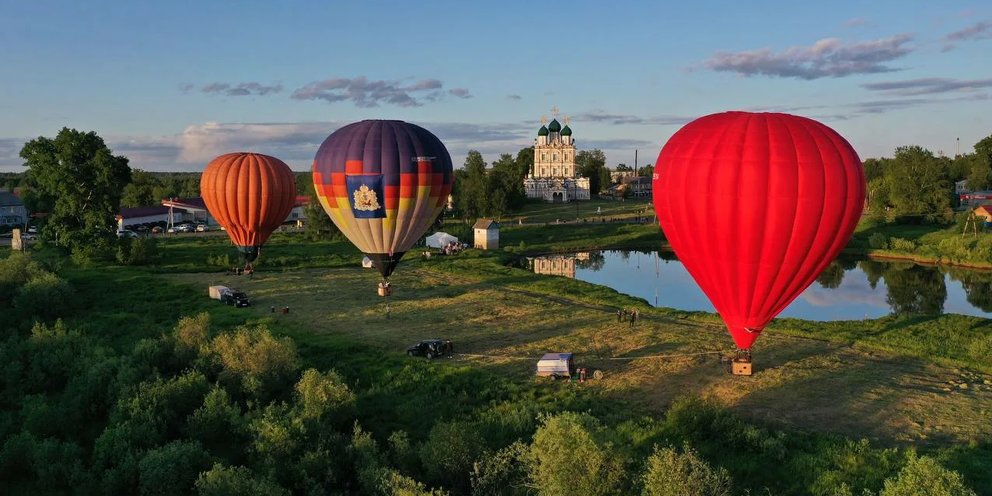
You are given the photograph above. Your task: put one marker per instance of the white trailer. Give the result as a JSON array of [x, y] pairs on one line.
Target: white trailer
[[555, 365], [217, 291]]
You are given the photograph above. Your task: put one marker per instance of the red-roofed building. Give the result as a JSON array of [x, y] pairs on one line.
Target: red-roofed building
[[156, 214]]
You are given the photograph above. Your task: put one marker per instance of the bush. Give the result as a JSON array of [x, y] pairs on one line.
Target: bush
[[44, 296], [219, 261], [670, 473], [878, 241], [252, 357], [449, 452], [137, 251], [904, 245], [923, 476], [324, 397], [227, 481], [501, 473], [218, 422], [569, 455], [191, 334], [173, 468]]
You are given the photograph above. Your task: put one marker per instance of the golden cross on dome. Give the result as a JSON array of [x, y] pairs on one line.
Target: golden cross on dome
[[554, 111], [544, 120], [566, 120]]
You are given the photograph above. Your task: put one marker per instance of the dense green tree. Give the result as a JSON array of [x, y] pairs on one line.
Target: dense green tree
[[525, 161], [254, 359], [449, 452], [571, 455], [141, 190], [82, 180], [874, 168], [228, 481], [318, 225], [674, 473], [919, 188], [923, 476], [623, 168], [473, 197], [590, 163], [172, 469], [506, 186], [503, 473], [646, 171]]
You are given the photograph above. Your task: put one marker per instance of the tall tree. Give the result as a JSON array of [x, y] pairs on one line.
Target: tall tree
[[918, 186], [980, 165], [525, 161], [141, 190], [588, 163], [473, 199], [82, 180]]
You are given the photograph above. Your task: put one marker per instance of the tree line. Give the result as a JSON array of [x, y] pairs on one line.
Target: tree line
[[498, 189], [916, 186]]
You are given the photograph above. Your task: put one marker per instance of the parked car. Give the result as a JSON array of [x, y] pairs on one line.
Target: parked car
[[431, 348], [235, 298], [172, 230], [127, 233], [32, 229], [157, 230], [202, 228]]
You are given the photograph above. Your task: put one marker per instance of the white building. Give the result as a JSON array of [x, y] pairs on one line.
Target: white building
[[486, 234], [553, 177]]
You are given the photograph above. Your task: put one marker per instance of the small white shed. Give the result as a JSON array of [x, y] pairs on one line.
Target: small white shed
[[486, 234]]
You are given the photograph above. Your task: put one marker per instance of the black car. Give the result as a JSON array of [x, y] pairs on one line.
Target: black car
[[431, 348], [236, 298]]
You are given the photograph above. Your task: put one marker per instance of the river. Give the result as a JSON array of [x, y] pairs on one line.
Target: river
[[849, 289]]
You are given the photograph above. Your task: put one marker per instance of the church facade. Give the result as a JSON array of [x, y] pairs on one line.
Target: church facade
[[552, 177]]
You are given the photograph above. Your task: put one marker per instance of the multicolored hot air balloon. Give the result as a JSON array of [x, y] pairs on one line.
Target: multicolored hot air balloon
[[250, 194], [756, 205], [383, 183]]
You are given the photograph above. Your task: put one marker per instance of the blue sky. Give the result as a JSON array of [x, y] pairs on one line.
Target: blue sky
[[173, 84]]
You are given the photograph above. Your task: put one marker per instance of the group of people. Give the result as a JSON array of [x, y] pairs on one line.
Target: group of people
[[453, 247], [624, 315]]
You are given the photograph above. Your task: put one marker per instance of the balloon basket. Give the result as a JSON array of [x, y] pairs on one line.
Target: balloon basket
[[385, 289], [741, 363], [740, 366]]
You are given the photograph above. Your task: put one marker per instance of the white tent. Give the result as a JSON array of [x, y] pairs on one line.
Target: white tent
[[440, 240], [366, 263]]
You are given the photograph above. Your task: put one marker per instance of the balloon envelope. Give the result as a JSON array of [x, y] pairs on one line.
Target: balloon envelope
[[250, 194], [383, 183], [756, 205]]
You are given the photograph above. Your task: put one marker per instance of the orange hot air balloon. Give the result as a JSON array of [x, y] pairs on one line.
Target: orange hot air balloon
[[250, 194]]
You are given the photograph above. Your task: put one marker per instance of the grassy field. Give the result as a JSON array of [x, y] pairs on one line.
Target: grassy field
[[591, 211], [501, 320]]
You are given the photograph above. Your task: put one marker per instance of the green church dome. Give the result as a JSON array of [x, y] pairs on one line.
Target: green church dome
[[543, 131], [566, 131], [554, 127]]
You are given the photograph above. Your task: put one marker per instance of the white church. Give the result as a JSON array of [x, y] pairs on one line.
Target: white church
[[553, 177]]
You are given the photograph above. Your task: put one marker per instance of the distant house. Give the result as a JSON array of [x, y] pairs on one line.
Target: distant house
[[486, 234], [195, 210], [984, 212], [12, 211], [129, 217]]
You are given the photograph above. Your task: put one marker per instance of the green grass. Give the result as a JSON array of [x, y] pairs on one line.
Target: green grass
[[592, 211]]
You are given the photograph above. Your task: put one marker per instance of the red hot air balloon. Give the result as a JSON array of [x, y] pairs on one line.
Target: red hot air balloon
[[250, 194], [756, 205], [383, 183]]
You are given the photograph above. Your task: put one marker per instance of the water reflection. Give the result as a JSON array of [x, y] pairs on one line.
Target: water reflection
[[847, 289]]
